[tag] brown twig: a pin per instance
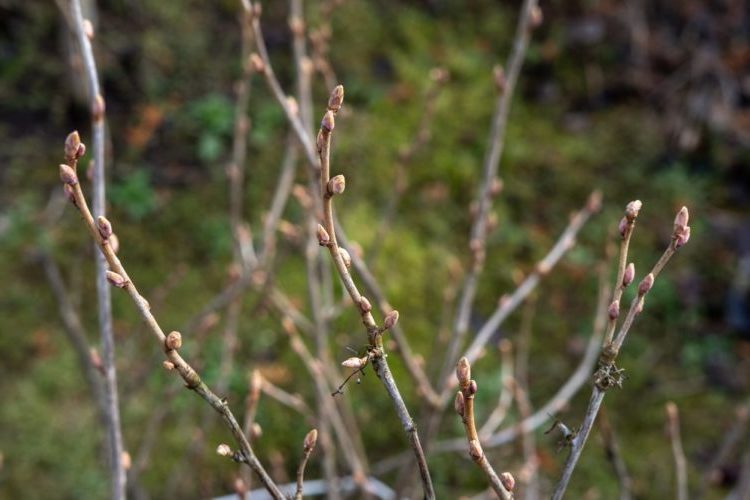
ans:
(327, 237)
(84, 31)
(680, 462)
(101, 232)
(308, 446)
(464, 406)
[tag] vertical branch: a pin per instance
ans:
(101, 232)
(608, 375)
(530, 18)
(309, 444)
(464, 406)
(331, 187)
(84, 31)
(680, 462)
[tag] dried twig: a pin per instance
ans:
(101, 231)
(464, 406)
(680, 462)
(84, 31)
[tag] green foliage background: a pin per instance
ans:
(168, 204)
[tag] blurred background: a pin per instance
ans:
(642, 100)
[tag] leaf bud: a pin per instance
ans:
(508, 481)
(336, 185)
(328, 122)
(72, 142)
(364, 305)
(104, 227)
(646, 284)
(614, 310)
(463, 372)
(324, 239)
(629, 275)
(336, 99)
(310, 440)
(173, 341)
(68, 175)
(458, 404)
(224, 450)
(632, 209)
(116, 280)
(682, 238)
(345, 257)
(390, 320)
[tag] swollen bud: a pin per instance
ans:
(390, 320)
(173, 341)
(104, 227)
(472, 387)
(364, 305)
(614, 310)
(354, 362)
(622, 227)
(68, 175)
(463, 372)
(336, 99)
(336, 185)
(632, 209)
(324, 238)
(310, 439)
(646, 284)
(345, 257)
(328, 121)
(116, 280)
(224, 450)
(71, 145)
(629, 275)
(508, 481)
(681, 220)
(682, 238)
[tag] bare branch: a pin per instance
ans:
(680, 462)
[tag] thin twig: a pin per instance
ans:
(511, 303)
(464, 406)
(327, 237)
(608, 374)
(309, 444)
(478, 237)
(680, 462)
(84, 31)
(101, 232)
(731, 439)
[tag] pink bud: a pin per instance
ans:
(104, 226)
(328, 122)
(623, 226)
(336, 185)
(116, 280)
(336, 99)
(68, 175)
(508, 481)
(632, 209)
(646, 284)
(390, 320)
(614, 310)
(310, 440)
(323, 237)
(463, 372)
(681, 219)
(682, 238)
(71, 145)
(364, 305)
(256, 63)
(472, 387)
(629, 275)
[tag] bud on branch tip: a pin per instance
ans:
(336, 99)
